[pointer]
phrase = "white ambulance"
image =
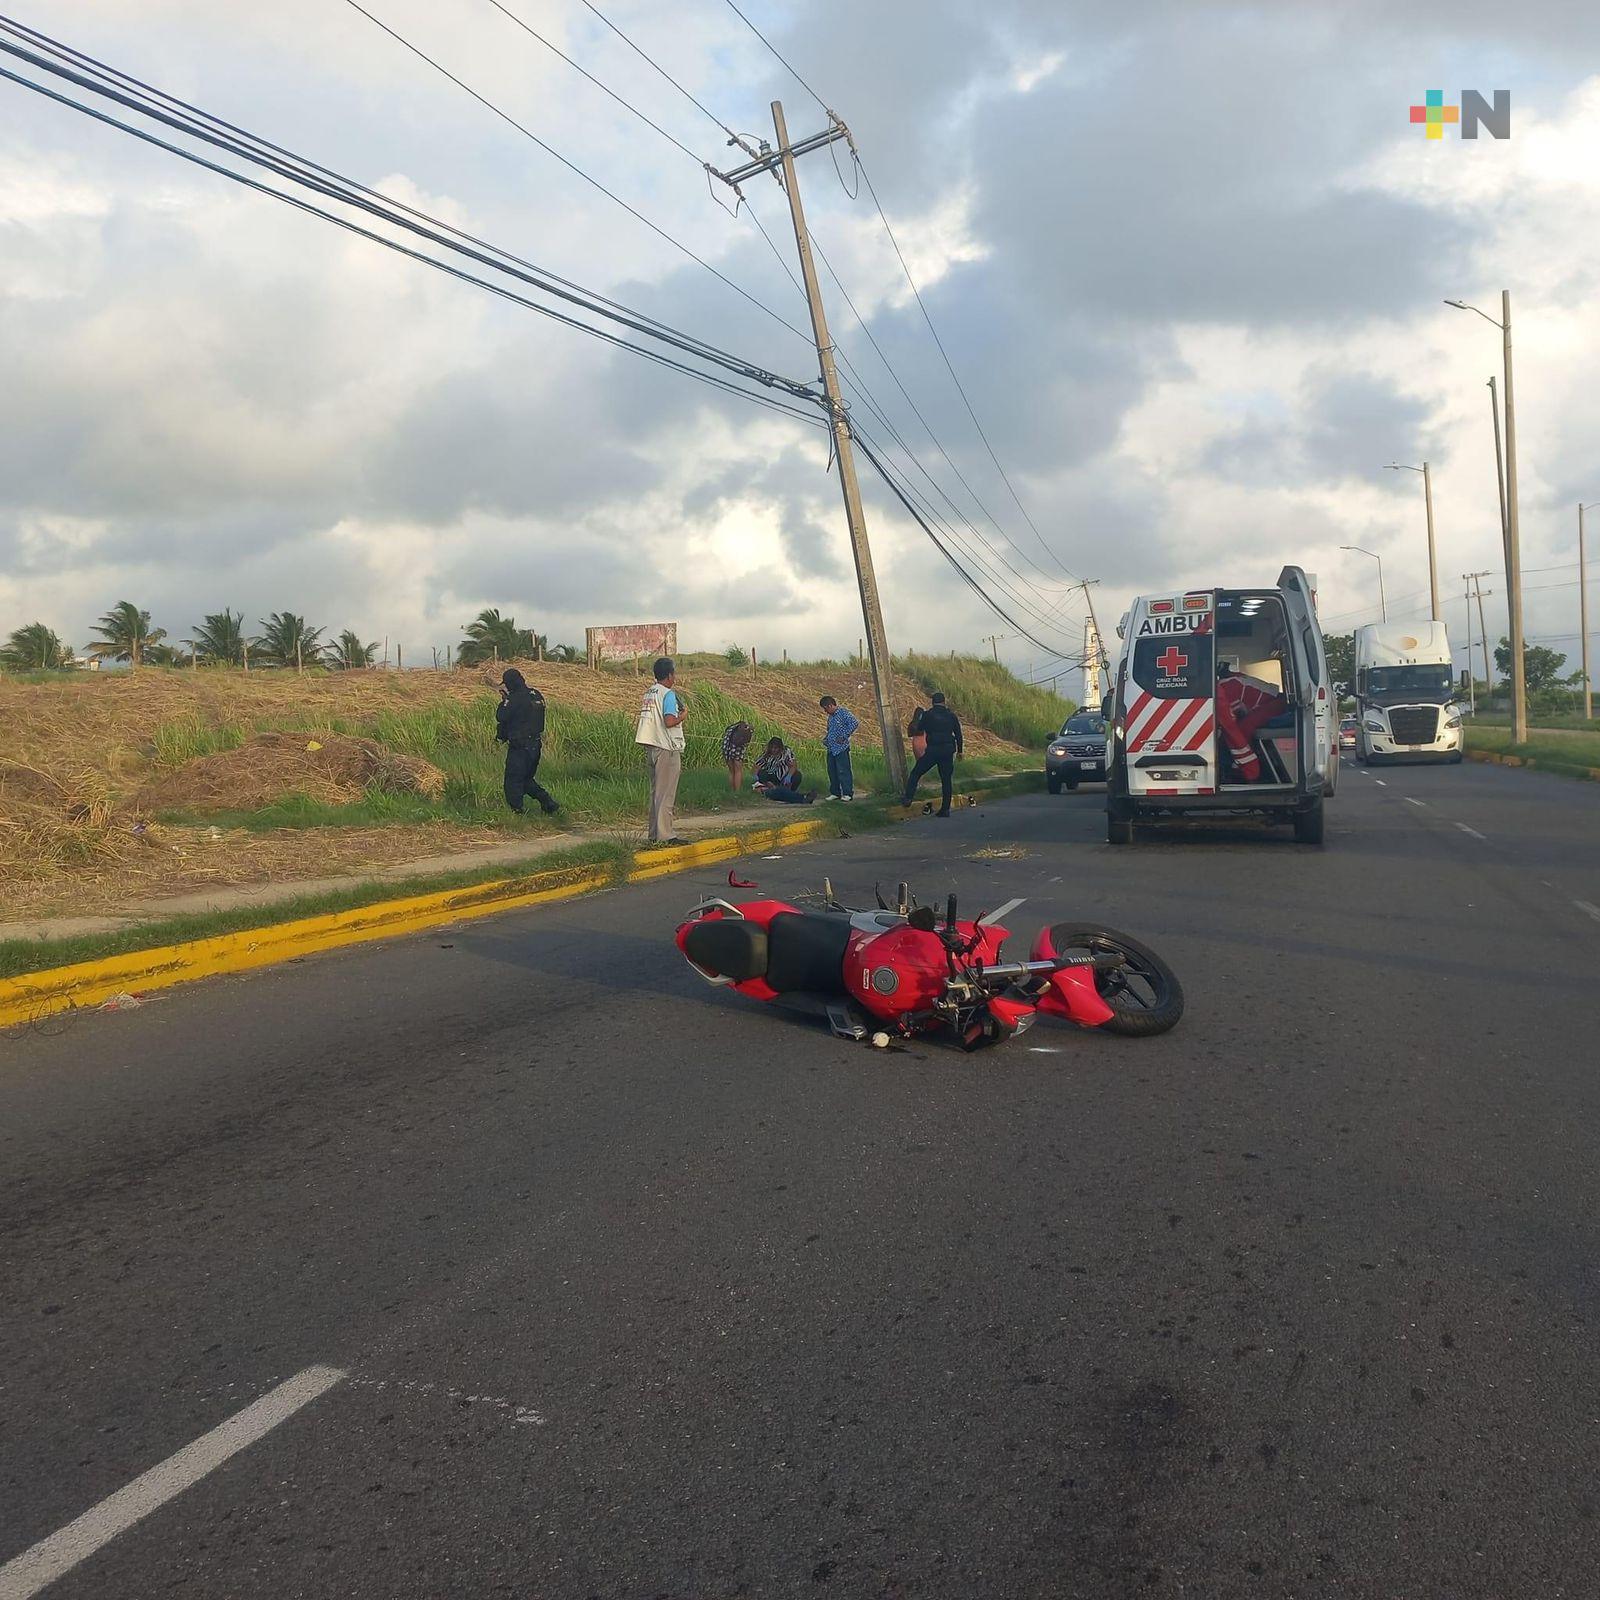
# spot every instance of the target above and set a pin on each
(1176, 751)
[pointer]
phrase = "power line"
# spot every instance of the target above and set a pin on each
(922, 522)
(291, 168)
(627, 105)
(66, 52)
(774, 49)
(860, 383)
(916, 292)
(950, 368)
(572, 166)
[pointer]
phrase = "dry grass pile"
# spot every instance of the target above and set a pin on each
(330, 767)
(49, 822)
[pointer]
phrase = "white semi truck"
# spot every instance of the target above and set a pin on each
(1406, 706)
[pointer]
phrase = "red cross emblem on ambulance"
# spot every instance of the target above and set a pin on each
(1172, 660)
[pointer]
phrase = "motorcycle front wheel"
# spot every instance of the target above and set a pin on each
(1144, 993)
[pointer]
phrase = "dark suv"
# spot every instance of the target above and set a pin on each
(1077, 754)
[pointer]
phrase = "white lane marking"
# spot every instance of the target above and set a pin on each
(1410, 802)
(1380, 783)
(25, 1575)
(1473, 831)
(1587, 909)
(999, 914)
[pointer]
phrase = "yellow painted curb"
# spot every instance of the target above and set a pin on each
(90, 983)
(648, 864)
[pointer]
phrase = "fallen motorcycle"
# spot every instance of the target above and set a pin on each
(896, 972)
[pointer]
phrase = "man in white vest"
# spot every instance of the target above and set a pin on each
(660, 731)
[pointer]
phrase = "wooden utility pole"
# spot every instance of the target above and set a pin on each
(1472, 677)
(993, 642)
(877, 641)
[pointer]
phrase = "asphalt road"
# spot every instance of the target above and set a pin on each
(640, 1290)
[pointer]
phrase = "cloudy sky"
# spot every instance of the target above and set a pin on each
(1188, 258)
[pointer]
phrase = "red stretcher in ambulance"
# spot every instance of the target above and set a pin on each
(1222, 705)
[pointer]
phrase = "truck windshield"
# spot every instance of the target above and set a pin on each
(1430, 681)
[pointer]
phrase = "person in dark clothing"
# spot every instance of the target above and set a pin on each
(942, 729)
(519, 725)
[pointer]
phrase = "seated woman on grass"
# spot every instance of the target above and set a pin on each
(778, 775)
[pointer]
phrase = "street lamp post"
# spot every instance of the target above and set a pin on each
(1383, 605)
(1427, 497)
(1583, 610)
(1513, 535)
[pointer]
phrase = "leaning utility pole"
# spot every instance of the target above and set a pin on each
(1472, 677)
(782, 158)
(993, 642)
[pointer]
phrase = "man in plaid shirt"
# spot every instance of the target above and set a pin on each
(836, 741)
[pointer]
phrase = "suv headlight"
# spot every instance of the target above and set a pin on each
(1058, 749)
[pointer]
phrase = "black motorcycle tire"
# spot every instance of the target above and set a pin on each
(1134, 1016)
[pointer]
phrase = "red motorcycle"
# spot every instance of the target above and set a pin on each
(905, 971)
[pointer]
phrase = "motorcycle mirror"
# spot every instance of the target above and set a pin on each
(950, 912)
(739, 883)
(877, 894)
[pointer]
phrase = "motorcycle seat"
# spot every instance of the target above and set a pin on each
(727, 947)
(805, 954)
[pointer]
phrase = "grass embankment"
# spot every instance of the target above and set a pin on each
(18, 956)
(1571, 752)
(989, 696)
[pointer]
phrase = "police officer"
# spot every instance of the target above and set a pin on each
(942, 729)
(519, 725)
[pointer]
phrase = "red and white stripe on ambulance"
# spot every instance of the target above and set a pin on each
(1170, 698)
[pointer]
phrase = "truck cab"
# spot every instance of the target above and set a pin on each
(1171, 754)
(1406, 703)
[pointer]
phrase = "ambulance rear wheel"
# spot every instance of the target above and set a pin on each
(1119, 830)
(1308, 824)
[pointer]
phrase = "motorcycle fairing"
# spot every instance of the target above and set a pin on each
(1070, 993)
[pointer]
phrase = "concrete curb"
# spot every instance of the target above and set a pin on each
(34, 995)
(1494, 758)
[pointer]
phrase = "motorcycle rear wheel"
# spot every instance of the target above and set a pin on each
(1144, 993)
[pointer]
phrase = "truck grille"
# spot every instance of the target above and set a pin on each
(1414, 724)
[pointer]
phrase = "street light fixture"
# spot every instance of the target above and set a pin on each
(1513, 537)
(1427, 496)
(1383, 605)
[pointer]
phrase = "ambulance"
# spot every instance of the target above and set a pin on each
(1179, 746)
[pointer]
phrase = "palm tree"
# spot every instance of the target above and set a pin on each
(35, 648)
(563, 652)
(489, 635)
(349, 651)
(220, 638)
(286, 641)
(125, 634)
